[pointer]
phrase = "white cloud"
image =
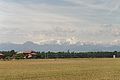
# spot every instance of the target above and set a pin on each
(80, 20)
(115, 42)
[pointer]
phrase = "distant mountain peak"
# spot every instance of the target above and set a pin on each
(29, 42)
(60, 46)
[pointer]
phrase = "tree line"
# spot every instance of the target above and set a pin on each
(51, 55)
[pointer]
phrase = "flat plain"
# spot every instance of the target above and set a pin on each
(61, 69)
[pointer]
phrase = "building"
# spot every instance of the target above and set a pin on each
(29, 54)
(1, 56)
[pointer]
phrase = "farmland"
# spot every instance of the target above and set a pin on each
(61, 69)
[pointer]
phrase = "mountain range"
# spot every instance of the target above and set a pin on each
(78, 47)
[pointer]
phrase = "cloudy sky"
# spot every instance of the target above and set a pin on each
(43, 21)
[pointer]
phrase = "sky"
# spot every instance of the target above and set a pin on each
(45, 21)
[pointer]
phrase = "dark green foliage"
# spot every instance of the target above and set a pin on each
(19, 56)
(68, 54)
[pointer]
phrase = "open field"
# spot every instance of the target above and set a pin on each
(61, 69)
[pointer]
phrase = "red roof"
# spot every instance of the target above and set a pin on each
(33, 53)
(29, 51)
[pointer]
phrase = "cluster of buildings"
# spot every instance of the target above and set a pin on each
(27, 54)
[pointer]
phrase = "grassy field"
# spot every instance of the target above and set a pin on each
(61, 69)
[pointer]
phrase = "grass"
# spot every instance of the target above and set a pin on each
(61, 69)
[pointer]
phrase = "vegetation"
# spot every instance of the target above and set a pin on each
(51, 55)
(61, 69)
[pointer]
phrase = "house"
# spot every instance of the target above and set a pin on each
(29, 54)
(1, 56)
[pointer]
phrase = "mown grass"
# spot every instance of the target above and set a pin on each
(61, 69)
